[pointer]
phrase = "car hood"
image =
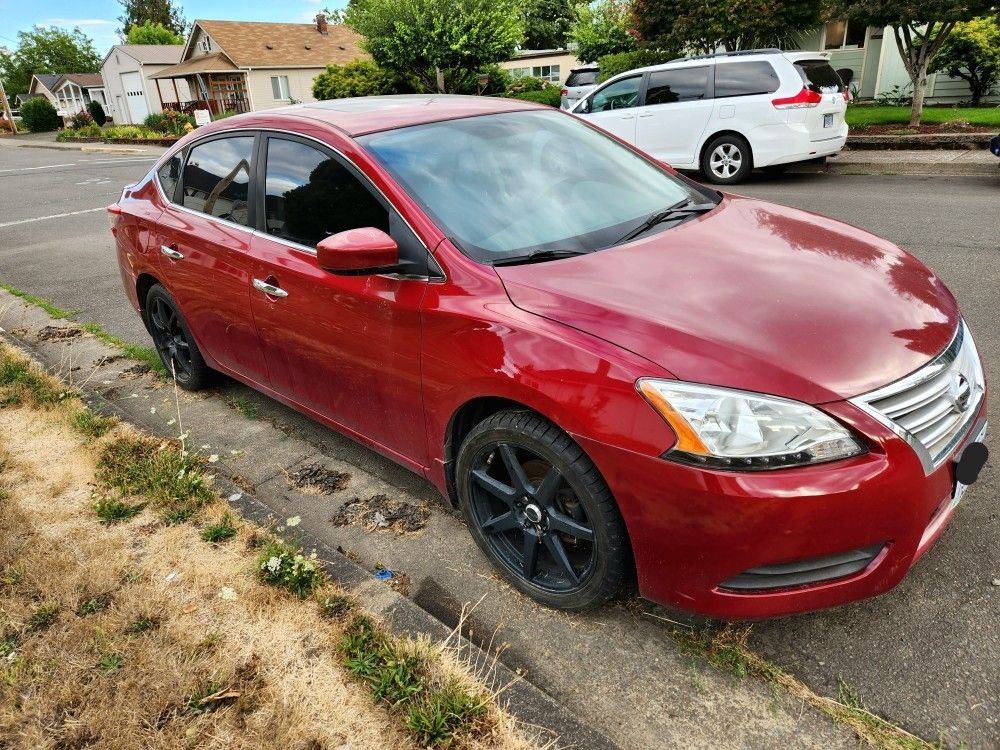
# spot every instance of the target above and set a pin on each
(754, 296)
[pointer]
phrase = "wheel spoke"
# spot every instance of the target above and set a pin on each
(503, 522)
(546, 492)
(156, 316)
(561, 522)
(555, 547)
(496, 488)
(514, 468)
(530, 555)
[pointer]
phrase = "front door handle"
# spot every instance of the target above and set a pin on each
(269, 289)
(171, 253)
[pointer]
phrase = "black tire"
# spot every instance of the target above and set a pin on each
(726, 160)
(174, 342)
(533, 522)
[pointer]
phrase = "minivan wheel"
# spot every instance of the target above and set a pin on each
(174, 342)
(727, 160)
(540, 510)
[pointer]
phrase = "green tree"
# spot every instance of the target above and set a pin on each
(358, 78)
(919, 28)
(698, 26)
(163, 12)
(151, 32)
(51, 50)
(602, 28)
(972, 53)
(442, 43)
(546, 23)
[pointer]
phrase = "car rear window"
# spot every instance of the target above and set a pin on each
(745, 79)
(820, 76)
(582, 78)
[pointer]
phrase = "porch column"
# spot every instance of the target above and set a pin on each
(159, 94)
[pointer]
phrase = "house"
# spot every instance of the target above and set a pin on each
(877, 68)
(243, 66)
(41, 85)
(552, 65)
(75, 91)
(132, 93)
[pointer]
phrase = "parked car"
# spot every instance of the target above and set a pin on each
(612, 370)
(995, 145)
(581, 81)
(726, 114)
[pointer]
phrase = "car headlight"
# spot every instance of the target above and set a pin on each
(730, 429)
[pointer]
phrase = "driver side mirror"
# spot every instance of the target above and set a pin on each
(584, 107)
(358, 251)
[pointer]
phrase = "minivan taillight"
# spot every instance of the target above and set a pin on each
(805, 99)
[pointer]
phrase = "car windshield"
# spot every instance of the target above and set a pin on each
(517, 183)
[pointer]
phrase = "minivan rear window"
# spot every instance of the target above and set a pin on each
(819, 76)
(582, 78)
(745, 79)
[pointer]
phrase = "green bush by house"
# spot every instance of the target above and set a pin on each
(38, 115)
(612, 65)
(97, 112)
(358, 78)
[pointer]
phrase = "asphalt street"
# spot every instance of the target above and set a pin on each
(923, 655)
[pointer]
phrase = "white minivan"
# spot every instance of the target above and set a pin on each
(728, 113)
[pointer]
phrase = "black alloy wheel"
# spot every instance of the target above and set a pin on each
(174, 342)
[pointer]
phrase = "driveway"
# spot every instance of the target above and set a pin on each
(923, 655)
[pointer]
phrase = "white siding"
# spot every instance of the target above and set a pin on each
(119, 62)
(300, 82)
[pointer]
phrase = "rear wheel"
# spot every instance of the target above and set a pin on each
(174, 342)
(539, 509)
(727, 160)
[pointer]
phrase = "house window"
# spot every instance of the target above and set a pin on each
(845, 35)
(545, 72)
(206, 44)
(279, 87)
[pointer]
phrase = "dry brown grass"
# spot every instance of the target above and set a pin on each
(142, 635)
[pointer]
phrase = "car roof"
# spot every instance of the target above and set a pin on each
(369, 114)
(689, 62)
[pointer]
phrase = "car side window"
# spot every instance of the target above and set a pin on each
(217, 178)
(678, 85)
(169, 175)
(623, 94)
(309, 195)
(745, 79)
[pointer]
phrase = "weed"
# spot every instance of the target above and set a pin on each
(210, 641)
(180, 514)
(52, 310)
(43, 617)
(92, 425)
(144, 354)
(439, 714)
(244, 405)
(848, 695)
(221, 531)
(281, 564)
(336, 606)
(112, 510)
(196, 701)
(21, 383)
(393, 676)
(111, 662)
(143, 625)
(7, 646)
(93, 605)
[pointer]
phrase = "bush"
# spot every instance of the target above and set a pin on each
(81, 119)
(93, 130)
(500, 80)
(39, 116)
(358, 78)
(527, 83)
(549, 96)
(972, 53)
(612, 65)
(131, 133)
(97, 112)
(169, 122)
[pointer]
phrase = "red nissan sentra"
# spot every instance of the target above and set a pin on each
(612, 370)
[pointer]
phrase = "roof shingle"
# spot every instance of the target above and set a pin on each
(266, 45)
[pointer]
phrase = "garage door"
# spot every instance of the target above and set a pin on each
(135, 97)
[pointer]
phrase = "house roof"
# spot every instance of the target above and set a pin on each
(83, 80)
(252, 44)
(217, 63)
(149, 54)
(48, 80)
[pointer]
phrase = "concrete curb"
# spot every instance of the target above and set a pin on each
(85, 147)
(934, 164)
(921, 141)
(520, 698)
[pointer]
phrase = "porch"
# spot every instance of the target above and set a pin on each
(215, 83)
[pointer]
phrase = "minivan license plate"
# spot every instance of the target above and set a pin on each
(828, 121)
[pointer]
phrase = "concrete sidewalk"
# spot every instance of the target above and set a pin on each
(48, 141)
(923, 162)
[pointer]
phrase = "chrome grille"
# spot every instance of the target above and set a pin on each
(934, 407)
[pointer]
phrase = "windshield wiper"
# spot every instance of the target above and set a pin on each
(681, 210)
(538, 256)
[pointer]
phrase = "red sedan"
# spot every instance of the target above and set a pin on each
(615, 372)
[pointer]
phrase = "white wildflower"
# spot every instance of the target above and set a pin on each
(293, 521)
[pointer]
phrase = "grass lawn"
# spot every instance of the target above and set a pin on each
(862, 116)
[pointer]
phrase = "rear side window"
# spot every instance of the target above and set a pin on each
(309, 195)
(745, 79)
(819, 76)
(169, 174)
(679, 85)
(217, 178)
(582, 78)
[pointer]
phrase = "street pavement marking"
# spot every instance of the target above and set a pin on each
(115, 161)
(52, 216)
(47, 166)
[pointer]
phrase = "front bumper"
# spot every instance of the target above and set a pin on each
(692, 530)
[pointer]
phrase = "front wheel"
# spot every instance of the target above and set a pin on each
(727, 160)
(539, 509)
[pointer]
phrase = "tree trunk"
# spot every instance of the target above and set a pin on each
(919, 91)
(440, 80)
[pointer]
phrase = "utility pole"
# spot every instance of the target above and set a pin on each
(6, 109)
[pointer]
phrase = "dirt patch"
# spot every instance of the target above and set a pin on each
(380, 512)
(318, 480)
(135, 371)
(934, 129)
(58, 333)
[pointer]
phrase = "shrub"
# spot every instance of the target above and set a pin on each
(612, 65)
(526, 83)
(39, 116)
(500, 80)
(81, 119)
(97, 112)
(169, 122)
(358, 78)
(131, 133)
(549, 96)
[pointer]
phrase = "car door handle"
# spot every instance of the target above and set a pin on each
(269, 289)
(171, 253)
(646, 114)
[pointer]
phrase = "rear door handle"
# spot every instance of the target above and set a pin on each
(171, 253)
(269, 289)
(646, 114)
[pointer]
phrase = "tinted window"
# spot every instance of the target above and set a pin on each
(680, 85)
(745, 79)
(820, 76)
(309, 195)
(217, 178)
(619, 95)
(582, 78)
(169, 173)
